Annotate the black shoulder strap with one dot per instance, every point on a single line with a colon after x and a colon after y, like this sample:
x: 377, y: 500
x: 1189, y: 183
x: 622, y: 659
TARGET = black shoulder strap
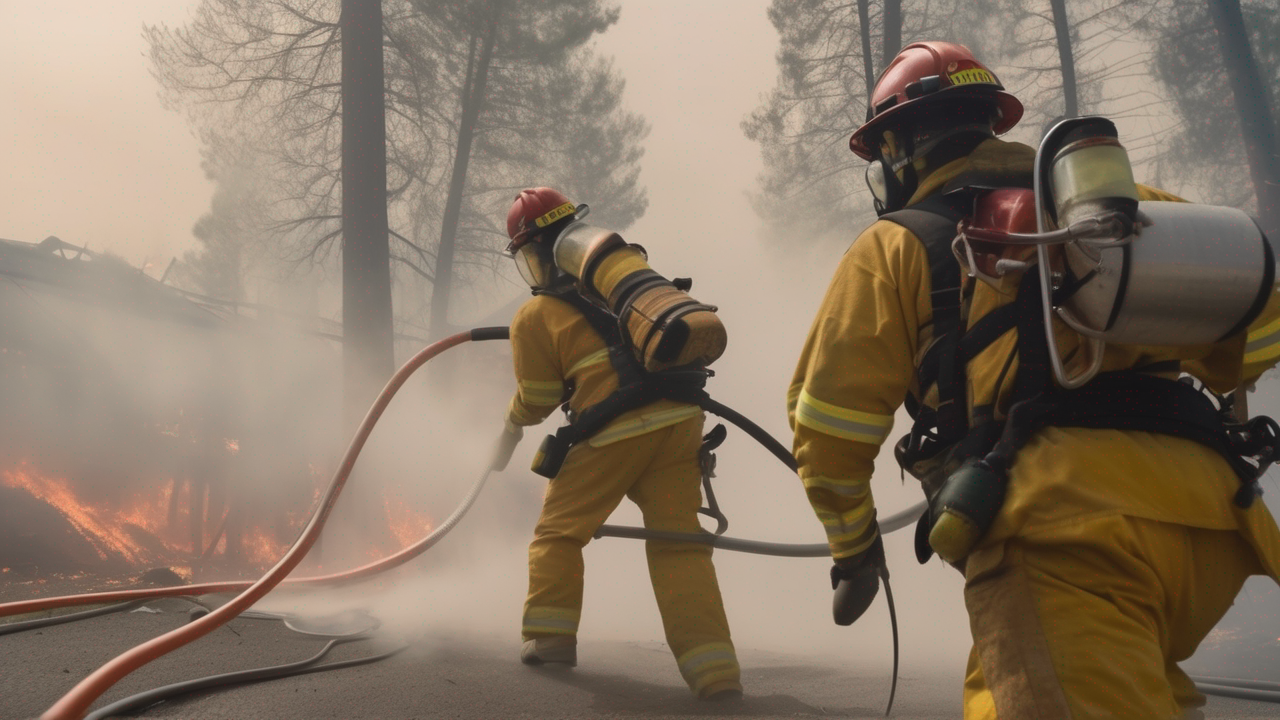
x: 933, y: 221
x: 600, y: 320
x: 636, y: 386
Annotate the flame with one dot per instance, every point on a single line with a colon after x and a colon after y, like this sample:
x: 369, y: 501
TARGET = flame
x: 111, y: 530
x: 104, y: 528
x: 407, y: 525
x: 261, y: 548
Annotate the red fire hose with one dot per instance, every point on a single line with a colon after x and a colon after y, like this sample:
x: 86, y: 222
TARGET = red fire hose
x: 75, y: 703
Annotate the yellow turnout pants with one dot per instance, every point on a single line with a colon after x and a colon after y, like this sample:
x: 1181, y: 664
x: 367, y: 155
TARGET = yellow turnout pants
x: 1090, y: 620
x: 659, y: 471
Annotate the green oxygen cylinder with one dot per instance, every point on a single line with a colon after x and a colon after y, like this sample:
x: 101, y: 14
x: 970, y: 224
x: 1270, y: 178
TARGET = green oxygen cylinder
x: 965, y: 507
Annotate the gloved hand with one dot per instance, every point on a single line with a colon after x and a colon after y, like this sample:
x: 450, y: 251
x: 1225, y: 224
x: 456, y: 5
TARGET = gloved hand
x: 856, y: 581
x: 506, y: 446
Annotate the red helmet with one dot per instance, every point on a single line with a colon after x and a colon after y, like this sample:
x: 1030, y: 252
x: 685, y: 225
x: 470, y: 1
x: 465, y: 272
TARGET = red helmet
x: 924, y: 73
x: 534, y: 209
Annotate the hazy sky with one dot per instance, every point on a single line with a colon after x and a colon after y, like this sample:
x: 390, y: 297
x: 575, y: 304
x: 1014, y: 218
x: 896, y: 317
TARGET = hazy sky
x: 86, y: 151
x: 88, y: 154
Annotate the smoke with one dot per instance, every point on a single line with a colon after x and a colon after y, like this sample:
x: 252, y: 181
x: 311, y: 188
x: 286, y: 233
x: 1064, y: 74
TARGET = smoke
x: 102, y: 387
x: 700, y: 224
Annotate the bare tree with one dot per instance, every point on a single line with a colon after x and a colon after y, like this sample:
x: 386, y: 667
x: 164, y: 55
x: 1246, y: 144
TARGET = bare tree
x: 1066, y: 58
x: 812, y: 186
x: 1253, y: 107
x: 464, y: 126
x: 1206, y: 145
x: 366, y: 259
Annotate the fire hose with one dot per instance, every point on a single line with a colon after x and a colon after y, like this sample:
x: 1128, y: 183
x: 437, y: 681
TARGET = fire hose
x: 74, y: 704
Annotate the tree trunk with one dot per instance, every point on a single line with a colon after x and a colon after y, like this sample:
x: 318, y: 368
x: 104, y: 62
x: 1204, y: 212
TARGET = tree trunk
x: 472, y: 100
x: 868, y: 62
x: 892, y: 30
x: 368, y: 353
x: 368, y: 357
x: 1257, y: 124
x: 1066, y: 59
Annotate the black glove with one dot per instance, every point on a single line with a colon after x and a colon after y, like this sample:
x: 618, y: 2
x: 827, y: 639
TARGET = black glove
x: 506, y: 446
x: 856, y: 581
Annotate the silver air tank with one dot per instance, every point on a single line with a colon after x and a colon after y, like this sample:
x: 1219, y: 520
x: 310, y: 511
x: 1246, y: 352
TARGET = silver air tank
x: 1196, y: 274
x: 1149, y: 273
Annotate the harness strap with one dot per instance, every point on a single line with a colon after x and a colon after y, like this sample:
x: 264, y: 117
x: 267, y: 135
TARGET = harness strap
x: 933, y: 221
x: 636, y: 386
x: 1129, y: 400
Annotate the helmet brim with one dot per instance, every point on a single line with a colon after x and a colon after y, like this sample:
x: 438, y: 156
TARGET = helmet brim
x: 1009, y: 112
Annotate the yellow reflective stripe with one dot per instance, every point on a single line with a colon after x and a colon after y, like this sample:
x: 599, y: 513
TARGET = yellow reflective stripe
x: 844, y: 487
x: 708, y: 663
x: 1263, y: 343
x: 646, y: 423
x: 541, y: 392
x: 849, y: 525
x: 841, y: 422
x: 564, y: 210
x: 551, y: 620
x: 594, y: 358
x: 517, y: 414
x: 971, y: 76
x: 849, y: 548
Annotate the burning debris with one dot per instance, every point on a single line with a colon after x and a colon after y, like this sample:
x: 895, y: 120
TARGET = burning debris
x: 143, y: 429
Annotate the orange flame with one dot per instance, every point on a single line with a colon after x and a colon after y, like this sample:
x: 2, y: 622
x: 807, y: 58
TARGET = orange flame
x: 407, y: 525
x: 104, y: 528
x: 108, y: 528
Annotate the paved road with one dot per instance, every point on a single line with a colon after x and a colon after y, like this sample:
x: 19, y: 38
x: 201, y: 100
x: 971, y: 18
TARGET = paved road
x: 459, y: 676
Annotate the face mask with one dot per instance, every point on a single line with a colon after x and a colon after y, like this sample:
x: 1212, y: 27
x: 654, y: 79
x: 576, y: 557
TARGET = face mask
x: 892, y: 177
x: 876, y: 183
x: 533, y: 261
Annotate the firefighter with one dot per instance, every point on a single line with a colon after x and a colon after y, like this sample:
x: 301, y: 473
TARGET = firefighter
x: 1114, y: 552
x: 649, y: 454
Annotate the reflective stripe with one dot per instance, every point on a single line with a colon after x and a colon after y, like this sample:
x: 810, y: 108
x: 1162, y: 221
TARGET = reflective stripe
x: 708, y: 663
x: 853, y: 489
x: 551, y: 620
x: 842, y: 422
x: 850, y: 548
x: 518, y: 415
x: 846, y: 526
x: 594, y: 358
x: 646, y: 423
x: 1263, y: 343
x: 541, y: 392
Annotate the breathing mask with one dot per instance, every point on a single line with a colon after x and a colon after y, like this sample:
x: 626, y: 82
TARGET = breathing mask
x: 893, y: 176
